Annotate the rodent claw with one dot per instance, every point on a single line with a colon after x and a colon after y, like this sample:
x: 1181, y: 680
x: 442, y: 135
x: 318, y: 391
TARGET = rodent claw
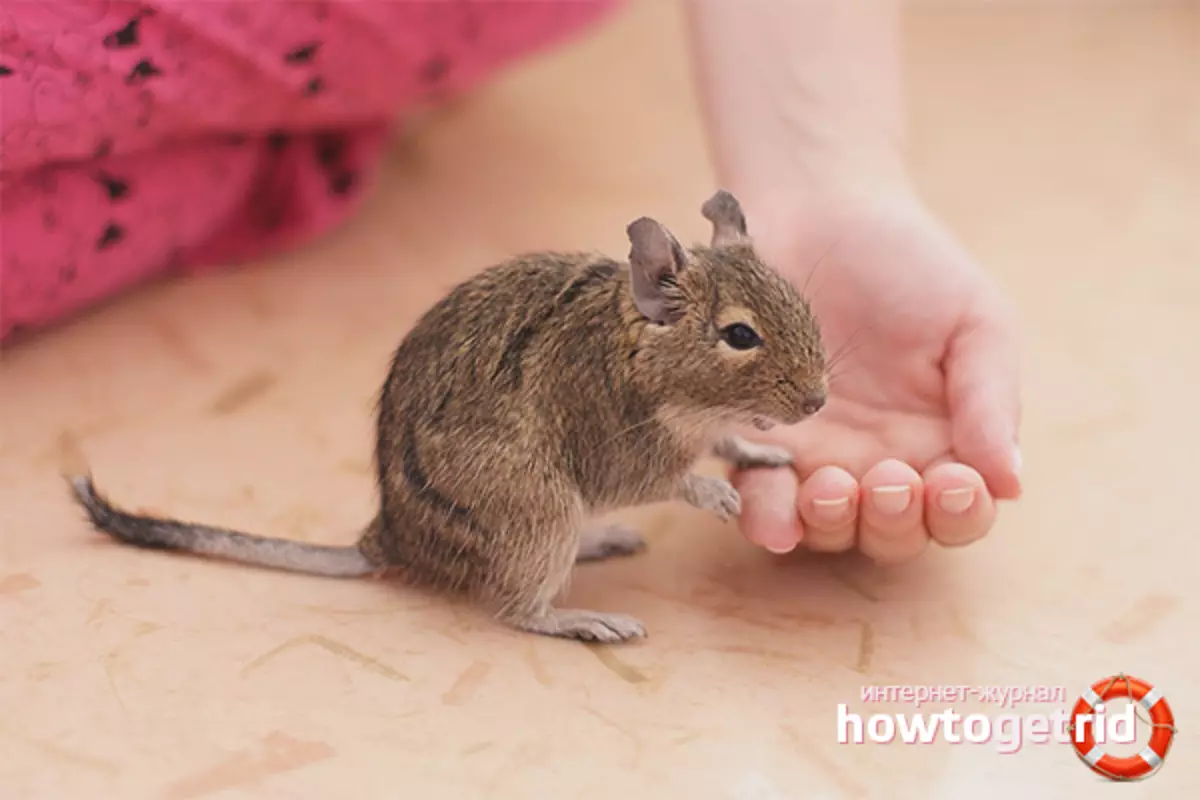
x: 587, y: 626
x: 712, y: 494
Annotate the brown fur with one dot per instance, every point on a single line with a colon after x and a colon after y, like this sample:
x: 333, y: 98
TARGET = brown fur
x: 544, y: 392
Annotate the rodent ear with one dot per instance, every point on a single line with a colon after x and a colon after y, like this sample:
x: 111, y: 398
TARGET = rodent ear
x: 656, y: 258
x: 729, y: 223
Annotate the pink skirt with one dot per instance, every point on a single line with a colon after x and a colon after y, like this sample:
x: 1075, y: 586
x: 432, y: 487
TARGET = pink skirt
x: 142, y: 137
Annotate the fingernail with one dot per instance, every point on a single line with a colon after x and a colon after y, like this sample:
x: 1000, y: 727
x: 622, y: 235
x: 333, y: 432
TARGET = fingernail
x: 891, y: 500
x: 956, y: 501
x: 1017, y: 463
x: 832, y: 510
x: 781, y: 550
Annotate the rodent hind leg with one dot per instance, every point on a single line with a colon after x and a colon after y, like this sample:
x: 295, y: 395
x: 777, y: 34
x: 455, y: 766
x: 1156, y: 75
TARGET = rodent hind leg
x: 744, y: 454
x: 528, y: 595
x: 581, y: 624
x: 600, y: 541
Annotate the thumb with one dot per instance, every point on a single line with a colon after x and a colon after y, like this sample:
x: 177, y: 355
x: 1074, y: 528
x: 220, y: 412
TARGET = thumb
x: 982, y: 368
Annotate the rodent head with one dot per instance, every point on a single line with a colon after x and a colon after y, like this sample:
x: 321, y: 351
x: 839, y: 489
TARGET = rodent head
x: 724, y: 332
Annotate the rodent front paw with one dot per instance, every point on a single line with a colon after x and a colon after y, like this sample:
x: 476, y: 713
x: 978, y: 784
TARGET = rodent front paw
x: 727, y: 503
x: 766, y: 456
x: 713, y: 494
x: 744, y: 454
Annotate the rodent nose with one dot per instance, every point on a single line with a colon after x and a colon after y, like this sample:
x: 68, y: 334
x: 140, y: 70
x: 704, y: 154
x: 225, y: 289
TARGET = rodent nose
x: 814, y: 402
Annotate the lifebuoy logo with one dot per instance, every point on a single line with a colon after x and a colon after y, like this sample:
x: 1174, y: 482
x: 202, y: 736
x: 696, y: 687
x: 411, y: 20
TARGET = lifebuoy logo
x: 1088, y: 729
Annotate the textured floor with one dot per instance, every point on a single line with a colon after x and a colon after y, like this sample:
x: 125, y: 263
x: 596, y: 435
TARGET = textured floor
x: 1063, y: 144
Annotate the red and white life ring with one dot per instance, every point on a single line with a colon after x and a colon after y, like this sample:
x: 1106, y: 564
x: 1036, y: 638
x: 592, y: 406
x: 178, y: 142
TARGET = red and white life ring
x: 1133, y: 767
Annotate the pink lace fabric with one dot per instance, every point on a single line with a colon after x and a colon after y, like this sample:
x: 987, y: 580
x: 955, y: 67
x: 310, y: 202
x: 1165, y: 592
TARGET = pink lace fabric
x: 138, y: 138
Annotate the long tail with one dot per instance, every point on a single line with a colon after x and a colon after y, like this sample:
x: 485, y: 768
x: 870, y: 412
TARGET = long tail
x: 167, y: 534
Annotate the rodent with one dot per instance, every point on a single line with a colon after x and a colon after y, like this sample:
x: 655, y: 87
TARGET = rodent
x: 541, y: 393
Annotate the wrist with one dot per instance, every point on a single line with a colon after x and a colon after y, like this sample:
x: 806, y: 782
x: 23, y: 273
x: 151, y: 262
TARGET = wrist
x: 807, y: 147
x: 806, y: 181
x: 796, y: 228
x: 810, y: 209
x: 803, y: 100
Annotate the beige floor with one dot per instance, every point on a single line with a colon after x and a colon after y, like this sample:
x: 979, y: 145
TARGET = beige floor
x: 1064, y: 146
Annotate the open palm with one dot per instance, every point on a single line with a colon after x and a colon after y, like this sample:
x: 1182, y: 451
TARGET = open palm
x: 918, y: 439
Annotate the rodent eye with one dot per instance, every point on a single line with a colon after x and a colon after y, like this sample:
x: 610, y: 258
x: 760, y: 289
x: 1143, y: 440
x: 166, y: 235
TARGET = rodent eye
x: 740, y: 336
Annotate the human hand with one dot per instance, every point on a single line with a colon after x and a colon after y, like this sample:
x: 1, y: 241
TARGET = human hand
x: 919, y: 438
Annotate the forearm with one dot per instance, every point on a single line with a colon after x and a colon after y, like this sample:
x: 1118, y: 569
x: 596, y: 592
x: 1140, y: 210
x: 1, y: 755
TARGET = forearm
x: 801, y: 95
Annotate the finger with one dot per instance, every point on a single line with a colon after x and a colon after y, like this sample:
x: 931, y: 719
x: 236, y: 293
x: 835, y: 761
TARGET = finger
x: 768, y: 517
x: 958, y: 508
x: 891, y: 524
x: 985, y: 409
x: 828, y: 506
